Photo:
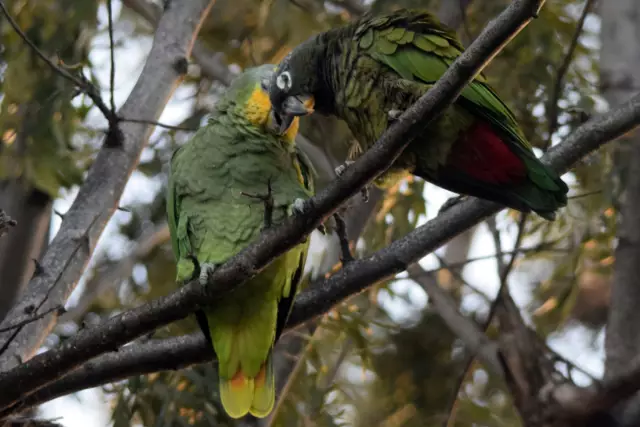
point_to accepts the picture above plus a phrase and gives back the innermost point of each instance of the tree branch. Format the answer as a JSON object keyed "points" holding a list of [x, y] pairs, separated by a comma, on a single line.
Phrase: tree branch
{"points": [[46, 367], [558, 84], [65, 260], [464, 328], [210, 62], [112, 70], [81, 83], [112, 275], [150, 357]]}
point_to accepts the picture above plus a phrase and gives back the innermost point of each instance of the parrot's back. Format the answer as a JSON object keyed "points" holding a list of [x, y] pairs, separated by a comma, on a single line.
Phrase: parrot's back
{"points": [[217, 185], [378, 66]]}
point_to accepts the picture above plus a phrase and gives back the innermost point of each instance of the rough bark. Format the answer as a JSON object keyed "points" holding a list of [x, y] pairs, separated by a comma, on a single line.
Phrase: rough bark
{"points": [[98, 197], [620, 62], [26, 242]]}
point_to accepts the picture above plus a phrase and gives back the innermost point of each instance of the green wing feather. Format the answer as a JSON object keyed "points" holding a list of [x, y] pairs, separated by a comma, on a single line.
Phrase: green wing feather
{"points": [[419, 48]]}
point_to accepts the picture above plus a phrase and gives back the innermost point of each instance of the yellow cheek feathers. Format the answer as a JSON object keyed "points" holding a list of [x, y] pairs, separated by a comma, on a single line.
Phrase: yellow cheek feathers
{"points": [[258, 107], [257, 112]]}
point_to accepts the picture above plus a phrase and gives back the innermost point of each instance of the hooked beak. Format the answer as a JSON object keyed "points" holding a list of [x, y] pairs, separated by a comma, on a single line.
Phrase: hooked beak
{"points": [[292, 107], [280, 123], [299, 105]]}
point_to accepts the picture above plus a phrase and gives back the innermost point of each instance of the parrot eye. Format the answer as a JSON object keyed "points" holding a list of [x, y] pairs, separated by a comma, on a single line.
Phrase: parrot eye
{"points": [[284, 81]]}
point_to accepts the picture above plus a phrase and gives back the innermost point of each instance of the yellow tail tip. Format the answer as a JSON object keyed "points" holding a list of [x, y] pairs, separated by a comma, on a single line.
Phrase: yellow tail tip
{"points": [[242, 395]]}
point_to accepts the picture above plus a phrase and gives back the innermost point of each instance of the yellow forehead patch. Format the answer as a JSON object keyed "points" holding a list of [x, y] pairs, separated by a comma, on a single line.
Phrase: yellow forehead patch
{"points": [[258, 107]]}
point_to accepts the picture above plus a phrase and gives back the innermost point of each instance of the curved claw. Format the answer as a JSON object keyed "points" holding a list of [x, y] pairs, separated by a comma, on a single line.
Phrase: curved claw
{"points": [[206, 270], [451, 202], [394, 115], [343, 167], [298, 207]]}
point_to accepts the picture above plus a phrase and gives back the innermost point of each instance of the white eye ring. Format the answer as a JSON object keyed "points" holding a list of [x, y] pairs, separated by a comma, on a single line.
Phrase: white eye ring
{"points": [[284, 81]]}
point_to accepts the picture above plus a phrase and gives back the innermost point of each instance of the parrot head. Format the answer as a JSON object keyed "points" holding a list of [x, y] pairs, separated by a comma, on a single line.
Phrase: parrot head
{"points": [[296, 81], [248, 93]]}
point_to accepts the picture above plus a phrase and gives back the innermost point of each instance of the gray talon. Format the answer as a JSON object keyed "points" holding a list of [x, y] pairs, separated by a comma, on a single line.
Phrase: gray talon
{"points": [[206, 270], [451, 202], [297, 208], [394, 114], [343, 167], [364, 192]]}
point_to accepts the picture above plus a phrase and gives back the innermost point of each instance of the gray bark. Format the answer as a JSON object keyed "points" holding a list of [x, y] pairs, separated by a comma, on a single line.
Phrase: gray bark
{"points": [[26, 241], [66, 258], [620, 62]]}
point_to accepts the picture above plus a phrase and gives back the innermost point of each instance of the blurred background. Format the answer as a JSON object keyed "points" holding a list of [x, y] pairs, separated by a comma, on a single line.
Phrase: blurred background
{"points": [[383, 358]]}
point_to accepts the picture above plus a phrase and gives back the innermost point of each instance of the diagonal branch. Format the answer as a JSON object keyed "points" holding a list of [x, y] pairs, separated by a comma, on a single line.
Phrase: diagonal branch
{"points": [[81, 83], [558, 84], [68, 253], [112, 69]]}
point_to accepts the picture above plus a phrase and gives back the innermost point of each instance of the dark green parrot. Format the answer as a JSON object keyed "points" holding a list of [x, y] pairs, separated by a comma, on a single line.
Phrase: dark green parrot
{"points": [[368, 72], [218, 184]]}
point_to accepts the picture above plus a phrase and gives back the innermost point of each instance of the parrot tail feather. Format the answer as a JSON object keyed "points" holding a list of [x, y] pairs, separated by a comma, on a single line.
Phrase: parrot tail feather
{"points": [[264, 393], [242, 394]]}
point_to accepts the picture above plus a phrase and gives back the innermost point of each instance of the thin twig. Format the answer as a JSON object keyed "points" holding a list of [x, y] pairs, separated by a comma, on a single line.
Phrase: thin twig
{"points": [[503, 273], [59, 309], [156, 123], [556, 93], [112, 77], [82, 84]]}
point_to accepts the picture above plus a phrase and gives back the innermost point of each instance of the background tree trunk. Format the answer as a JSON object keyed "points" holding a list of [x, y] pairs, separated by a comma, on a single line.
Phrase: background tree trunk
{"points": [[620, 62]]}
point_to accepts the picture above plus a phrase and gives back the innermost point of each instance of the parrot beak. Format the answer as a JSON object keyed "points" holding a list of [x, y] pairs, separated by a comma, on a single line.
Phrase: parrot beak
{"points": [[300, 105], [282, 123]]}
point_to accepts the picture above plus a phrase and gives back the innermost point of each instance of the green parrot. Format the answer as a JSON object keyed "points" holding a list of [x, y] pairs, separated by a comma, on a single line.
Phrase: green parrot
{"points": [[236, 175], [368, 72]]}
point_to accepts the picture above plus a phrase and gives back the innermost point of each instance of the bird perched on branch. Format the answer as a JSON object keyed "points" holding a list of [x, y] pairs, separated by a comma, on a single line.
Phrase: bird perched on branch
{"points": [[238, 174], [368, 72]]}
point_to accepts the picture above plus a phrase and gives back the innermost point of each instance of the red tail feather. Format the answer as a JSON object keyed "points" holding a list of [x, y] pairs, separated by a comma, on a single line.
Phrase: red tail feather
{"points": [[481, 154]]}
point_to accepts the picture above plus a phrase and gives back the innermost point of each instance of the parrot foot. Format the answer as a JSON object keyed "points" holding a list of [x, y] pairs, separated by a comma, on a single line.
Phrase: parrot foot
{"points": [[394, 115], [341, 230], [267, 199], [451, 202], [580, 114], [298, 207], [364, 191], [343, 167], [206, 270]]}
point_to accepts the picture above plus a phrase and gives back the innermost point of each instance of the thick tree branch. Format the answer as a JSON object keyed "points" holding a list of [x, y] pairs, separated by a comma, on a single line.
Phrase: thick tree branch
{"points": [[210, 62], [70, 250], [322, 295], [88, 343]]}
